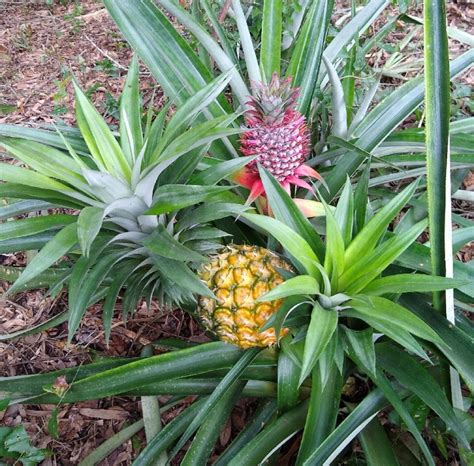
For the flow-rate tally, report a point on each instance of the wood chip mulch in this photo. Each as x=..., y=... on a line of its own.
x=41, y=46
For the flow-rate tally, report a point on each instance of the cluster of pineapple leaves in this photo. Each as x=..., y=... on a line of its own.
x=16, y=445
x=147, y=202
x=142, y=219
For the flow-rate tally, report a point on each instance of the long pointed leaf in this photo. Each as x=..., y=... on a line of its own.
x=416, y=378
x=60, y=245
x=457, y=346
x=48, y=137
x=78, y=302
x=203, y=443
x=385, y=309
x=376, y=445
x=374, y=263
x=228, y=382
x=188, y=362
x=26, y=243
x=131, y=136
x=339, y=110
x=368, y=237
x=381, y=121
x=250, y=56
x=169, y=57
x=45, y=160
x=172, y=197
x=285, y=210
x=347, y=430
x=290, y=240
x=396, y=401
x=321, y=328
x=306, y=57
x=251, y=429
x=273, y=435
x=32, y=225
x=223, y=61
x=22, y=207
x=270, y=49
x=14, y=174
x=360, y=348
x=288, y=375
x=167, y=436
x=322, y=413
x=180, y=274
x=300, y=285
x=161, y=242
x=354, y=28
x=102, y=143
x=89, y=224
x=407, y=282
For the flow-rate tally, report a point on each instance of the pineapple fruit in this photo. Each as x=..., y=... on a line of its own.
x=277, y=134
x=238, y=276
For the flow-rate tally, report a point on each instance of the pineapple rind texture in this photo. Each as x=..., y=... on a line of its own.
x=276, y=133
x=238, y=276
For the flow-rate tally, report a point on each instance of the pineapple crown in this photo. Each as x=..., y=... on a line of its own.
x=272, y=102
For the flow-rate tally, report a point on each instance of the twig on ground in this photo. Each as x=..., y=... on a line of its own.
x=105, y=54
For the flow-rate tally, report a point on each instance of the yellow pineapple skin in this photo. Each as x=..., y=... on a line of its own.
x=238, y=276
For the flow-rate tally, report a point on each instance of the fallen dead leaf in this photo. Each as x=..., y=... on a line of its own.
x=116, y=414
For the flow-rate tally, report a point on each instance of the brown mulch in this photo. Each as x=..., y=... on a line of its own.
x=40, y=47
x=85, y=425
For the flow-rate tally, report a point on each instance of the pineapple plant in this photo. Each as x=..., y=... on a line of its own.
x=238, y=276
x=135, y=220
x=275, y=129
x=350, y=128
x=353, y=306
x=346, y=321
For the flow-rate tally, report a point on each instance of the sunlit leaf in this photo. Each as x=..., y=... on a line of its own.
x=321, y=328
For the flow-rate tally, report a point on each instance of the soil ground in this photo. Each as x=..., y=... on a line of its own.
x=40, y=46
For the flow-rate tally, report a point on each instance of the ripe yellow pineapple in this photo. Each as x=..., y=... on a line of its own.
x=238, y=276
